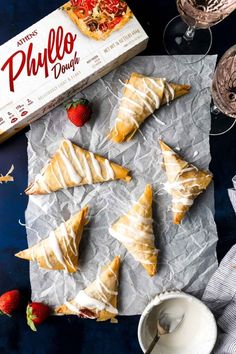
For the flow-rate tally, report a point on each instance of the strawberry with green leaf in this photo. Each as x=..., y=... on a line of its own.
x=37, y=313
x=9, y=301
x=79, y=111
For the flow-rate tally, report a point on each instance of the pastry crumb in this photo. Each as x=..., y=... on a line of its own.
x=7, y=178
x=114, y=320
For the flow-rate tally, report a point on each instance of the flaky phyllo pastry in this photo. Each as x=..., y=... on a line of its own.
x=73, y=166
x=185, y=182
x=60, y=250
x=99, y=299
x=134, y=230
x=142, y=95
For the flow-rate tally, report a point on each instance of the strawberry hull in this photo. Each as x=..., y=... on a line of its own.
x=51, y=61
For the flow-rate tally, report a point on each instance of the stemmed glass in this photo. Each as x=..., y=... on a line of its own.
x=190, y=32
x=223, y=105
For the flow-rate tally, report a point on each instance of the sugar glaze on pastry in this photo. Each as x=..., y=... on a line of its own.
x=83, y=300
x=135, y=231
x=60, y=250
x=73, y=166
x=184, y=182
x=142, y=95
x=99, y=299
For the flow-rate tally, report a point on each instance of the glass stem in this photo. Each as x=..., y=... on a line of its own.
x=189, y=34
x=215, y=110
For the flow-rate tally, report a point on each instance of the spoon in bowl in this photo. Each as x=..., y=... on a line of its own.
x=166, y=324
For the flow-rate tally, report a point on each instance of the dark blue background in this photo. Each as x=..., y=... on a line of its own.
x=69, y=334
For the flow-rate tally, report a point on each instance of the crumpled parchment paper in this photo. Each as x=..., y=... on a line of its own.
x=187, y=257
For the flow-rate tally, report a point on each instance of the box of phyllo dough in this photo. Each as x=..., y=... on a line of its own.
x=62, y=54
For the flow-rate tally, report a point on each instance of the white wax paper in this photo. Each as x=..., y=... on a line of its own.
x=187, y=255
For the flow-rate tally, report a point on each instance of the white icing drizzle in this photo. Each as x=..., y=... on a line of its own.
x=159, y=86
x=182, y=200
x=101, y=286
x=55, y=176
x=168, y=152
x=141, y=219
x=109, y=170
x=139, y=234
x=63, y=182
x=83, y=300
x=132, y=101
x=72, y=235
x=187, y=169
x=56, y=248
x=169, y=91
x=158, y=120
x=69, y=166
x=54, y=243
x=88, y=173
x=168, y=186
x=75, y=157
x=190, y=168
x=131, y=116
x=132, y=234
x=144, y=260
x=177, y=210
x=40, y=180
x=139, y=255
x=127, y=110
x=172, y=91
x=96, y=165
x=142, y=96
x=156, y=98
x=116, y=122
x=122, y=238
x=134, y=121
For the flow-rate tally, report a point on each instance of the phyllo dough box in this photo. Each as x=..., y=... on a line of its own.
x=61, y=54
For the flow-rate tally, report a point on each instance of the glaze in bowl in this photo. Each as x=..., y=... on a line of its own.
x=197, y=333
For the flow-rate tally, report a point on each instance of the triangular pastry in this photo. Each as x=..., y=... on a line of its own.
x=142, y=95
x=73, y=166
x=99, y=299
x=185, y=182
x=134, y=230
x=60, y=250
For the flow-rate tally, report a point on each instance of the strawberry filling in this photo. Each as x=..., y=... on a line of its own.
x=85, y=313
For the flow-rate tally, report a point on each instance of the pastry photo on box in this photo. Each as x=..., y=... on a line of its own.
x=97, y=19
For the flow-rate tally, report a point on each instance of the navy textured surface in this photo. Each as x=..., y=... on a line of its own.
x=72, y=335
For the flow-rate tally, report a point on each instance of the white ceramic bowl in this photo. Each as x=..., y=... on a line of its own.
x=197, y=333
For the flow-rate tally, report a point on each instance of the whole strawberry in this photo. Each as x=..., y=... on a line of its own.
x=79, y=111
x=36, y=313
x=9, y=301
